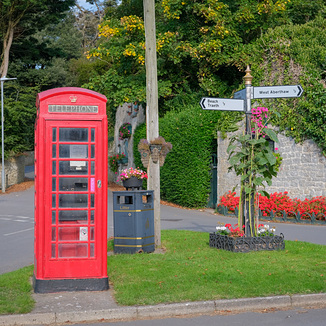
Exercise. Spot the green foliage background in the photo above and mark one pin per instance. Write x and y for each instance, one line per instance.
(290, 55)
(185, 176)
(19, 119)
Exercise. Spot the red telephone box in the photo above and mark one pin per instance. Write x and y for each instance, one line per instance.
(70, 250)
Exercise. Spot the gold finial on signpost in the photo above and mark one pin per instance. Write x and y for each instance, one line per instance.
(248, 78)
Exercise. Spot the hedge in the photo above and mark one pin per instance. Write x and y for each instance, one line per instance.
(186, 174)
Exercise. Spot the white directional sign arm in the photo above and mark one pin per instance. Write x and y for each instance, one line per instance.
(221, 104)
(278, 91)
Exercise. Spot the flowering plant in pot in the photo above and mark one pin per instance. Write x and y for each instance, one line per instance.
(233, 239)
(230, 231)
(132, 173)
(115, 160)
(132, 178)
(125, 131)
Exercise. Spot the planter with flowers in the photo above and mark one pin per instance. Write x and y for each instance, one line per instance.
(252, 159)
(115, 160)
(132, 178)
(234, 239)
(125, 131)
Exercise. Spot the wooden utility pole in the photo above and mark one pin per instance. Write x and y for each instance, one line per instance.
(153, 169)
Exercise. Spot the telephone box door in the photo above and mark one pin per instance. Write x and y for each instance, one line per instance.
(73, 182)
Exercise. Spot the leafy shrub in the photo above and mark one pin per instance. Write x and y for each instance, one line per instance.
(294, 54)
(19, 119)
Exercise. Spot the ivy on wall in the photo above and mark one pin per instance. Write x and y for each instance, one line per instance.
(290, 55)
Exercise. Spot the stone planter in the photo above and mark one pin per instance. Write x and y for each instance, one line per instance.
(133, 183)
(246, 244)
(123, 160)
(155, 152)
(144, 156)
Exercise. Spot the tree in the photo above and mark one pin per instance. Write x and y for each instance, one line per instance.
(87, 22)
(196, 45)
(20, 18)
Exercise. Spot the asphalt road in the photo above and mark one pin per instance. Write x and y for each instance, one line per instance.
(17, 223)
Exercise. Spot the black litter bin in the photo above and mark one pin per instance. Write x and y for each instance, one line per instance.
(133, 219)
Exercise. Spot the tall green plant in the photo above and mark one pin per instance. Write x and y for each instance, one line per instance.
(251, 157)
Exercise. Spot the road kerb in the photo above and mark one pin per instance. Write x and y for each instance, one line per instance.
(176, 309)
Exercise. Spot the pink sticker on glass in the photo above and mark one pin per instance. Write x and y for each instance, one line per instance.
(92, 184)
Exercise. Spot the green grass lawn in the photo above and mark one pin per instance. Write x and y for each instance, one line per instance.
(15, 292)
(190, 270)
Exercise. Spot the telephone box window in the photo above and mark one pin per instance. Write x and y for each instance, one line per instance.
(73, 168)
(73, 134)
(53, 234)
(73, 200)
(73, 250)
(93, 135)
(92, 151)
(54, 184)
(73, 184)
(53, 251)
(54, 167)
(92, 253)
(75, 233)
(53, 217)
(73, 151)
(73, 216)
(54, 134)
(54, 151)
(54, 201)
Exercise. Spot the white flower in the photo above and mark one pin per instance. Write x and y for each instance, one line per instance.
(220, 228)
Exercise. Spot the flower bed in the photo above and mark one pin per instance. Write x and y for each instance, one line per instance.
(246, 244)
(279, 206)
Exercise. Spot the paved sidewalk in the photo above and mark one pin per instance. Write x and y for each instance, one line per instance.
(77, 307)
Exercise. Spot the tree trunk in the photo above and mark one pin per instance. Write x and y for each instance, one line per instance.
(7, 41)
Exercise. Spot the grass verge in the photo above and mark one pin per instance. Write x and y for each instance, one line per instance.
(191, 271)
(15, 292)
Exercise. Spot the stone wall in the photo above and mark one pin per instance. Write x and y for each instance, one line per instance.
(302, 173)
(14, 170)
(135, 115)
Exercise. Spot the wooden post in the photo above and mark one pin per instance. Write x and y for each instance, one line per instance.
(153, 169)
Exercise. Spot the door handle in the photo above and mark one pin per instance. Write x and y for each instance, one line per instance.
(99, 183)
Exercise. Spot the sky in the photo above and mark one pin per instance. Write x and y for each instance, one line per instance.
(84, 4)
